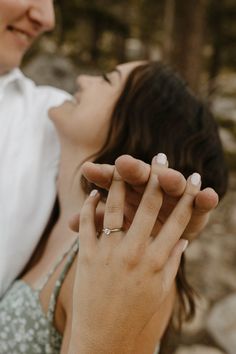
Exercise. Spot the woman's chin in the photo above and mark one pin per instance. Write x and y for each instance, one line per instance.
(52, 113)
(55, 113)
(61, 112)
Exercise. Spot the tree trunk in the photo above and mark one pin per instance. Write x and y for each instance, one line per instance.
(185, 31)
(169, 20)
(217, 39)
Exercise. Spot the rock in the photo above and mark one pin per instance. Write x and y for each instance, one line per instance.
(232, 218)
(198, 349)
(194, 251)
(221, 323)
(225, 108)
(198, 323)
(226, 83)
(53, 70)
(228, 140)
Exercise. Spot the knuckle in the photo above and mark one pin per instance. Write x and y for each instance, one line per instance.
(150, 205)
(190, 193)
(85, 257)
(134, 255)
(165, 285)
(113, 209)
(105, 256)
(116, 176)
(85, 218)
(181, 217)
(156, 261)
(108, 258)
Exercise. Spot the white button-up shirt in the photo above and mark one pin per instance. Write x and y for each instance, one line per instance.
(29, 156)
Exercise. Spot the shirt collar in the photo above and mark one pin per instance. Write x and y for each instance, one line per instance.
(15, 76)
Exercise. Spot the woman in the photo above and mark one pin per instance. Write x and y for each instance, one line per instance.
(137, 107)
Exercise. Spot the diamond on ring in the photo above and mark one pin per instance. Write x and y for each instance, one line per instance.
(108, 231)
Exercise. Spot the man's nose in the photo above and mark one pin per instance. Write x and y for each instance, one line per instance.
(43, 15)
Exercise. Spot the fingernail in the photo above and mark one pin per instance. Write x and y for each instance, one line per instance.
(185, 244)
(195, 179)
(161, 159)
(93, 193)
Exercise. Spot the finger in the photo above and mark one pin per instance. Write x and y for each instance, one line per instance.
(175, 225)
(171, 267)
(74, 221)
(139, 176)
(87, 229)
(140, 170)
(172, 182)
(205, 201)
(149, 207)
(114, 209)
(100, 175)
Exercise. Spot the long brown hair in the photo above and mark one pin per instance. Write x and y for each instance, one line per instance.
(156, 112)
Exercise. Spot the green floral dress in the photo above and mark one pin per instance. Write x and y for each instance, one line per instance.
(24, 327)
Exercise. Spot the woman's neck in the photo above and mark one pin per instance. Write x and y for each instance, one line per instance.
(70, 193)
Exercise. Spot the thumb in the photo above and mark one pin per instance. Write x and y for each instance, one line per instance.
(172, 265)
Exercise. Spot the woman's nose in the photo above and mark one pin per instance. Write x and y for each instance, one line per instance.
(83, 80)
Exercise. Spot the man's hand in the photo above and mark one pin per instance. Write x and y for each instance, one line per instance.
(136, 174)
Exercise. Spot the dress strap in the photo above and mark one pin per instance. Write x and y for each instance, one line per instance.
(54, 268)
(54, 296)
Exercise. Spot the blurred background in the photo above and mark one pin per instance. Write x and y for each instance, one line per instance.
(198, 38)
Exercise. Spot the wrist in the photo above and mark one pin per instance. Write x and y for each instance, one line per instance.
(105, 344)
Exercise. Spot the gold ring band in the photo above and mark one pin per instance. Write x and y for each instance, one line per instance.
(108, 231)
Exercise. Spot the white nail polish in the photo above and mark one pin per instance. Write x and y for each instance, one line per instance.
(185, 244)
(195, 179)
(93, 193)
(161, 159)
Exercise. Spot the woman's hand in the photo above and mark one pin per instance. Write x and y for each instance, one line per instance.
(122, 279)
(136, 174)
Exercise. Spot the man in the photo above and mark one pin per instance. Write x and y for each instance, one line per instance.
(29, 149)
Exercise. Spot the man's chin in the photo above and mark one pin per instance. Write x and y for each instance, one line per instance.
(9, 64)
